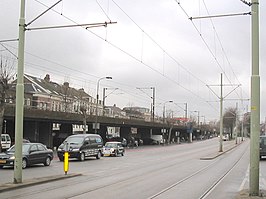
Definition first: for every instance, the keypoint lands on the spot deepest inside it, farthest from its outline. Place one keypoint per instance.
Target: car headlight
(12, 158)
(59, 149)
(112, 149)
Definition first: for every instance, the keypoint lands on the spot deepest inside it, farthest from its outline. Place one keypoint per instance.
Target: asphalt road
(173, 171)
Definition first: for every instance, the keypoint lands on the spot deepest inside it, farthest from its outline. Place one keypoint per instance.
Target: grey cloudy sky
(153, 44)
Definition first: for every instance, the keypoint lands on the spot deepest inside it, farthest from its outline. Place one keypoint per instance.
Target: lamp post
(97, 103)
(164, 130)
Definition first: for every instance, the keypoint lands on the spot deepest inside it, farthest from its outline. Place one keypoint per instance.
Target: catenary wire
(136, 59)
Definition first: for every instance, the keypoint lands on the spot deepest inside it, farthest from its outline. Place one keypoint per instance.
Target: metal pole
(19, 98)
(255, 104)
(153, 103)
(186, 111)
(221, 116)
(97, 101)
(198, 119)
(104, 99)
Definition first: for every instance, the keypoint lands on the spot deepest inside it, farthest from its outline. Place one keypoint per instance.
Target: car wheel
(99, 154)
(82, 157)
(122, 153)
(24, 163)
(116, 153)
(47, 161)
(1, 166)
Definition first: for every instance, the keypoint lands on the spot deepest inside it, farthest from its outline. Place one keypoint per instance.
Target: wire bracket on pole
(247, 3)
(91, 25)
(223, 15)
(43, 13)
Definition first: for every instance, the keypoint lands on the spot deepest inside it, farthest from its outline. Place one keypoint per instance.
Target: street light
(170, 101)
(97, 102)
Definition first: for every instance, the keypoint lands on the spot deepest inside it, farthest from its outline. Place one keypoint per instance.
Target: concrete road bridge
(39, 126)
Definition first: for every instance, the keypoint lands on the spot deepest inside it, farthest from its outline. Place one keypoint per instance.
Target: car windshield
(110, 145)
(25, 148)
(74, 140)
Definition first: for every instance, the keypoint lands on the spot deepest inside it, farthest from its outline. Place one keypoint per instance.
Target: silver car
(113, 149)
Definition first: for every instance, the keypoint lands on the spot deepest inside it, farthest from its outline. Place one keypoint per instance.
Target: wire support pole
(20, 97)
(221, 116)
(255, 103)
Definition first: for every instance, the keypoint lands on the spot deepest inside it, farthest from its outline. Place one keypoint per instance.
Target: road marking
(246, 179)
(262, 184)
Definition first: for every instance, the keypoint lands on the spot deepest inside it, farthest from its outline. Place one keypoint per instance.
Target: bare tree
(83, 108)
(230, 118)
(6, 75)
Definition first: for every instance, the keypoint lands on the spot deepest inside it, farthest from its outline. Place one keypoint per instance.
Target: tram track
(210, 188)
(128, 180)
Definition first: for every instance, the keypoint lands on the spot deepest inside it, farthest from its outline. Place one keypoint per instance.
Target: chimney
(47, 78)
(66, 84)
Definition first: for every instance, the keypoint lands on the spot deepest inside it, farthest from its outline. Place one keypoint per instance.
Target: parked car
(225, 137)
(118, 139)
(32, 153)
(262, 146)
(81, 146)
(151, 141)
(113, 149)
(5, 141)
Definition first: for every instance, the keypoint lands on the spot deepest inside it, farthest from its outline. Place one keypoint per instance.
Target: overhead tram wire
(136, 59)
(213, 55)
(216, 33)
(163, 50)
(204, 41)
(133, 57)
(76, 78)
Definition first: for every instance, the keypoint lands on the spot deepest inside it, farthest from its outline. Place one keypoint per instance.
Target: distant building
(138, 113)
(47, 95)
(114, 111)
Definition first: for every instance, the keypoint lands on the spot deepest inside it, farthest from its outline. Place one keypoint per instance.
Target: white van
(5, 141)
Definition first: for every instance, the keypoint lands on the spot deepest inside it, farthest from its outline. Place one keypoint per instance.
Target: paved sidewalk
(244, 194)
(35, 181)
(227, 146)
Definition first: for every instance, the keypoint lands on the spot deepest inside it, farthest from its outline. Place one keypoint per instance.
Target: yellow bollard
(66, 164)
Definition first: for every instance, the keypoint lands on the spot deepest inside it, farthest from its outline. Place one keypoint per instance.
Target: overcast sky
(153, 44)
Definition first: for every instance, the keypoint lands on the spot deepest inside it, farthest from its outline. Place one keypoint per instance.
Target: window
(98, 140)
(34, 148)
(41, 147)
(92, 140)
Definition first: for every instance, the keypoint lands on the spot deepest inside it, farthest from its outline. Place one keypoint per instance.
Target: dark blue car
(32, 153)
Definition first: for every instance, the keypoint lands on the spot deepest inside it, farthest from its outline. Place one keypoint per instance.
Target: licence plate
(3, 161)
